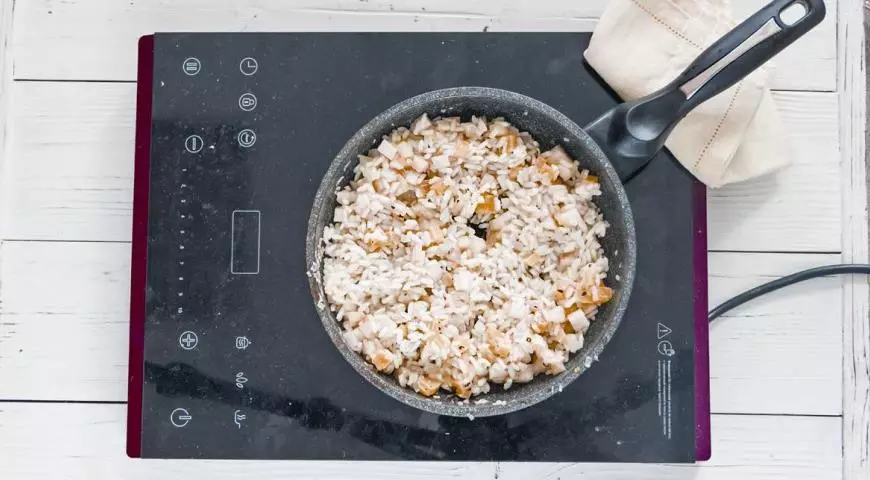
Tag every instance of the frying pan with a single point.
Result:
(615, 147)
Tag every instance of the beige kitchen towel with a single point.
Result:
(640, 46)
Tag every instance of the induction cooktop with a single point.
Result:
(228, 358)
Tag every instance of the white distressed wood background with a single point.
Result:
(790, 378)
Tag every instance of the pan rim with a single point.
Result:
(547, 385)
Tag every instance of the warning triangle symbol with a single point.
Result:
(663, 330)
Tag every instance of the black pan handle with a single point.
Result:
(632, 133)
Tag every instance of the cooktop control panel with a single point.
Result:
(213, 136)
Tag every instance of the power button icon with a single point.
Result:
(180, 417)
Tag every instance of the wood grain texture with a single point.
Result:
(856, 295)
(86, 442)
(53, 45)
(67, 177)
(72, 155)
(63, 333)
(6, 15)
(766, 354)
(744, 447)
(71, 162)
(64, 320)
(796, 209)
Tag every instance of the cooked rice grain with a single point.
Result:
(461, 255)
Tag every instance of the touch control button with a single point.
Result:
(248, 66)
(188, 340)
(242, 343)
(193, 144)
(247, 138)
(180, 417)
(239, 418)
(248, 102)
(241, 380)
(191, 66)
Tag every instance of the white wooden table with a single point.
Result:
(790, 372)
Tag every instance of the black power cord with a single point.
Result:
(753, 293)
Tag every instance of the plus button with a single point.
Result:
(188, 340)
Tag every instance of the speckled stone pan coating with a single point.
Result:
(550, 128)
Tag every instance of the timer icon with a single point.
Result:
(248, 66)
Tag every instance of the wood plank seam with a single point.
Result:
(749, 447)
(72, 153)
(496, 474)
(810, 65)
(81, 294)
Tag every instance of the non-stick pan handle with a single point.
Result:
(754, 42)
(632, 133)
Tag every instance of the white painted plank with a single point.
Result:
(856, 296)
(5, 66)
(70, 172)
(744, 447)
(63, 332)
(798, 208)
(64, 320)
(72, 154)
(96, 39)
(780, 346)
(87, 441)
(794, 210)
(5, 95)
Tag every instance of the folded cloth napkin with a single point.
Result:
(640, 46)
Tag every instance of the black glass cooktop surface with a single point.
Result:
(229, 358)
